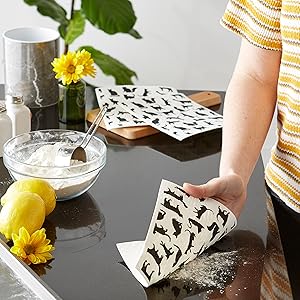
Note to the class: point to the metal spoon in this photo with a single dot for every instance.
(67, 153)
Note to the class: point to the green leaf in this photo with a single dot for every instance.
(111, 16)
(50, 8)
(135, 34)
(75, 27)
(62, 29)
(111, 66)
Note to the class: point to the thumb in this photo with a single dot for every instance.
(209, 189)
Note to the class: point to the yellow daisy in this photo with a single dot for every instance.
(67, 68)
(33, 249)
(71, 67)
(85, 59)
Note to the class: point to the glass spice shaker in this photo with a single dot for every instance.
(5, 127)
(19, 113)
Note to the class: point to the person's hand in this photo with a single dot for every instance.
(229, 190)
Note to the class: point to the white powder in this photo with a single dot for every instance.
(5, 183)
(208, 271)
(45, 156)
(63, 179)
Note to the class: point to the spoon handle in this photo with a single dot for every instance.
(91, 131)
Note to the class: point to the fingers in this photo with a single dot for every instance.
(193, 190)
(210, 189)
(229, 190)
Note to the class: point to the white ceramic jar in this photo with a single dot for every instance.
(5, 128)
(19, 113)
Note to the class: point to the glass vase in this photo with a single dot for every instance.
(71, 105)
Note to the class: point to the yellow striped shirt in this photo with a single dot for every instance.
(275, 284)
(275, 25)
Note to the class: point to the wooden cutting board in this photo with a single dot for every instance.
(206, 99)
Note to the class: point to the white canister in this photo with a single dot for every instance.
(19, 113)
(28, 53)
(5, 128)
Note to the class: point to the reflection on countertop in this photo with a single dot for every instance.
(189, 149)
(86, 262)
(78, 223)
(74, 226)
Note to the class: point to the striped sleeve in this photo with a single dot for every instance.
(256, 20)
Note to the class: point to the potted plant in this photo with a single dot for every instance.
(110, 16)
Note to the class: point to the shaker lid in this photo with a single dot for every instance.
(14, 99)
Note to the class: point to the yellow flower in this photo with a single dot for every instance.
(84, 59)
(32, 249)
(71, 67)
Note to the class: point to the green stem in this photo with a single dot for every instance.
(71, 16)
(72, 8)
(71, 103)
(66, 48)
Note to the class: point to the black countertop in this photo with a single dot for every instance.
(118, 208)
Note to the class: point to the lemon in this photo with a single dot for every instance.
(33, 185)
(24, 209)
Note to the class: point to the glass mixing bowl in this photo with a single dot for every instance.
(23, 160)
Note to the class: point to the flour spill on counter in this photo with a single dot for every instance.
(208, 271)
(4, 184)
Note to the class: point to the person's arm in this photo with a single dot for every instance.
(249, 106)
